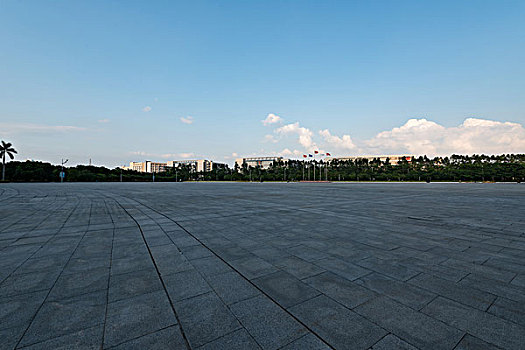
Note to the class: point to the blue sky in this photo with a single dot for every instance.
(111, 80)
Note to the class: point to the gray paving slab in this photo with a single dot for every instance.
(130, 318)
(285, 288)
(82, 265)
(267, 323)
(48, 263)
(28, 282)
(391, 268)
(495, 287)
(70, 285)
(508, 309)
(9, 337)
(62, 317)
(519, 280)
(205, 318)
(186, 284)
(299, 267)
(361, 265)
(132, 284)
(19, 310)
(339, 326)
(232, 287)
(236, 340)
(342, 268)
(346, 292)
(415, 327)
(89, 338)
(462, 294)
(392, 342)
(472, 343)
(307, 342)
(253, 267)
(211, 266)
(480, 324)
(168, 338)
(404, 293)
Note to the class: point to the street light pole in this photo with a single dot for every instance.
(62, 171)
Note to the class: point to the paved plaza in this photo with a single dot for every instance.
(262, 266)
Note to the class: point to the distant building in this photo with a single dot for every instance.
(261, 162)
(146, 167)
(393, 159)
(198, 165)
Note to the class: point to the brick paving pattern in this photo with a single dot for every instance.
(262, 266)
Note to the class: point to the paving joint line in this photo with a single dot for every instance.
(109, 279)
(160, 276)
(54, 283)
(240, 274)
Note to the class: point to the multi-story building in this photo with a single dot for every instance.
(258, 162)
(147, 167)
(136, 166)
(393, 159)
(198, 165)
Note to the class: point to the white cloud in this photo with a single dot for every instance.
(272, 119)
(169, 156)
(187, 120)
(174, 156)
(421, 136)
(289, 153)
(341, 143)
(103, 121)
(140, 153)
(305, 135)
(13, 128)
(270, 138)
(233, 156)
(146, 109)
(186, 155)
(415, 137)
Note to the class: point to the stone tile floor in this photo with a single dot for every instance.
(271, 266)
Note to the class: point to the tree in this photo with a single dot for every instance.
(5, 148)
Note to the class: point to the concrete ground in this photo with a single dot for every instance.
(271, 266)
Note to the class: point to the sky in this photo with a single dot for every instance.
(121, 81)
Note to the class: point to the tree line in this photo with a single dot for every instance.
(495, 168)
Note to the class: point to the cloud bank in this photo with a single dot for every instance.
(421, 136)
(415, 137)
(19, 128)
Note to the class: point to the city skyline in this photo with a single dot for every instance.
(116, 83)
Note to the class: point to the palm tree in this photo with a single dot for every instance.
(6, 148)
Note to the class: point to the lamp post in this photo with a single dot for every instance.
(62, 174)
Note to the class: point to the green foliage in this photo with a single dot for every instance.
(501, 168)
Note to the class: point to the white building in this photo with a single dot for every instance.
(198, 165)
(260, 162)
(146, 167)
